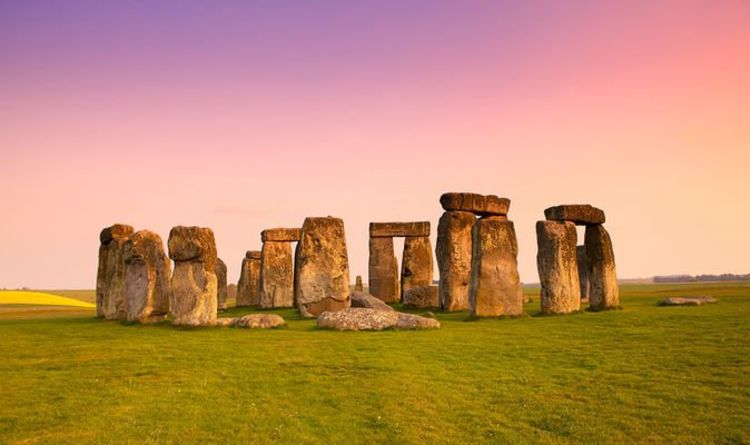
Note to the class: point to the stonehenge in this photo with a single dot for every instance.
(277, 268)
(248, 286)
(416, 267)
(559, 260)
(221, 279)
(147, 272)
(193, 297)
(422, 297)
(495, 286)
(453, 252)
(321, 267)
(110, 277)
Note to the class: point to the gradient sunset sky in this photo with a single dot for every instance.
(242, 116)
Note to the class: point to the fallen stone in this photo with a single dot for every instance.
(687, 301)
(221, 279)
(322, 267)
(281, 234)
(260, 321)
(604, 293)
(416, 263)
(276, 275)
(383, 270)
(453, 251)
(422, 297)
(147, 272)
(363, 299)
(225, 322)
(495, 287)
(482, 205)
(558, 268)
(364, 319)
(579, 214)
(399, 229)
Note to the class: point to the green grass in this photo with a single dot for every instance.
(644, 374)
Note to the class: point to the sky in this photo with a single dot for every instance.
(247, 115)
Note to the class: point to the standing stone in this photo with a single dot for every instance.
(276, 275)
(416, 264)
(383, 270)
(193, 297)
(583, 273)
(147, 271)
(600, 262)
(221, 279)
(322, 267)
(248, 287)
(495, 288)
(358, 286)
(558, 268)
(110, 277)
(453, 253)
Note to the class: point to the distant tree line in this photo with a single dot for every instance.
(692, 278)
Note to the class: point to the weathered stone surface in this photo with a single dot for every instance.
(399, 229)
(686, 301)
(113, 297)
(110, 276)
(495, 287)
(276, 275)
(322, 267)
(147, 272)
(583, 273)
(411, 321)
(192, 243)
(193, 297)
(422, 297)
(260, 321)
(252, 321)
(221, 280)
(600, 265)
(281, 234)
(358, 286)
(558, 269)
(580, 214)
(453, 251)
(363, 299)
(364, 319)
(383, 270)
(248, 286)
(416, 264)
(482, 205)
(115, 231)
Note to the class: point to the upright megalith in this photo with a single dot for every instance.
(583, 273)
(193, 297)
(495, 287)
(110, 277)
(558, 269)
(221, 280)
(416, 264)
(321, 267)
(383, 270)
(276, 275)
(600, 267)
(248, 286)
(147, 272)
(358, 286)
(453, 252)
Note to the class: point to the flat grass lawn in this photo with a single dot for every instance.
(644, 374)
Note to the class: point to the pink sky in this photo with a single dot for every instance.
(245, 116)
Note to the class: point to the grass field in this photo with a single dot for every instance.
(644, 374)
